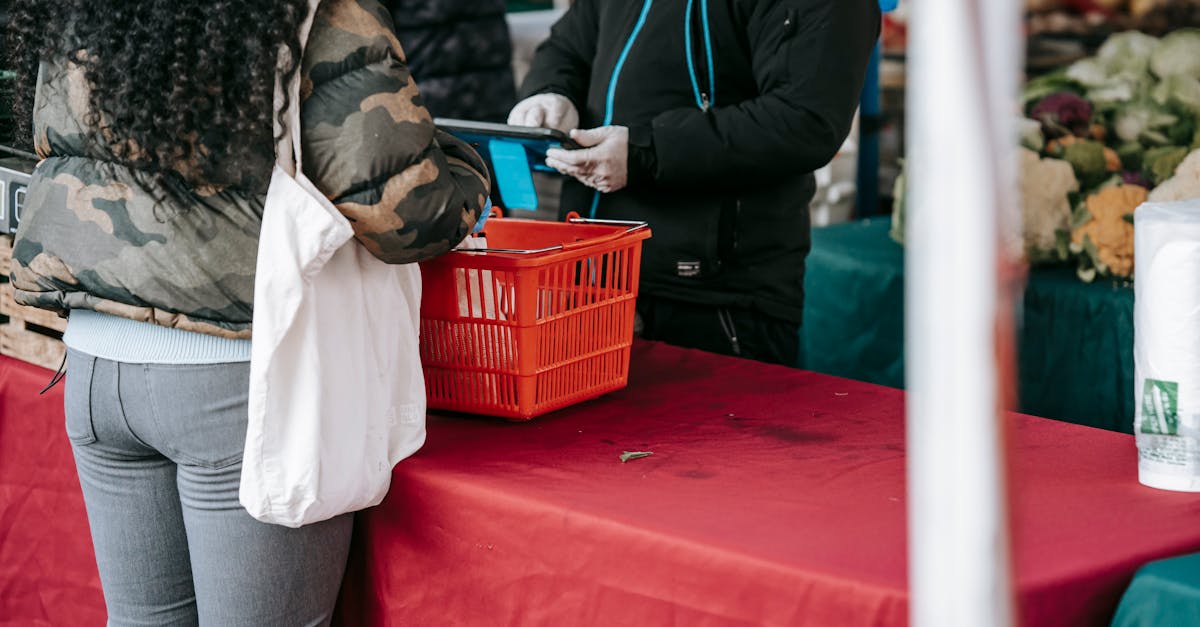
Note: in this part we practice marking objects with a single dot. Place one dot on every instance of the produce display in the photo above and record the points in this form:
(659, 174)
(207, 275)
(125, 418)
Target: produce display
(1088, 17)
(1100, 137)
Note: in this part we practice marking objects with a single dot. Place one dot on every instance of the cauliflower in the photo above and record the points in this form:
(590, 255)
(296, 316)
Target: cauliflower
(1045, 207)
(1031, 134)
(1107, 234)
(1184, 185)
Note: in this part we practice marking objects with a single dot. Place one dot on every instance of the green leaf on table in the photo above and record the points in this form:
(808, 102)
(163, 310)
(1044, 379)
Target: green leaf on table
(628, 455)
(1128, 218)
(1062, 244)
(1093, 253)
(1080, 216)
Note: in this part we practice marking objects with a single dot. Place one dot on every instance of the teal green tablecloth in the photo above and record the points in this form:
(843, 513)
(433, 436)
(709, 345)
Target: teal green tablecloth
(1165, 593)
(1075, 345)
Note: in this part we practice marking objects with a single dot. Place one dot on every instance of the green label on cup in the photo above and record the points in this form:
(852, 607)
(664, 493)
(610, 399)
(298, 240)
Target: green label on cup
(1160, 407)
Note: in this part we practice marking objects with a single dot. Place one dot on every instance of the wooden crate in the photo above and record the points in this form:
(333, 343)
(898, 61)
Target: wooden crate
(28, 334)
(5, 256)
(32, 344)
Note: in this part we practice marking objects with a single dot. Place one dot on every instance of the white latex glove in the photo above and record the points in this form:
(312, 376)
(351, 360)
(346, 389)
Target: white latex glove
(545, 111)
(602, 163)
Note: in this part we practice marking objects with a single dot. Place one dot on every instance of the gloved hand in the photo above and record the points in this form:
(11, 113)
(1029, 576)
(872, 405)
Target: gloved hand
(602, 163)
(547, 111)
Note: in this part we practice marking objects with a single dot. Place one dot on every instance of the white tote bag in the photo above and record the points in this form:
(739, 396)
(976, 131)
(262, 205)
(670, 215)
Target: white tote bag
(337, 396)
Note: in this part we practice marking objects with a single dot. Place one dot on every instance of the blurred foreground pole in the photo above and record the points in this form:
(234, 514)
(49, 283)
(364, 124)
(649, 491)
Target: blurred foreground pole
(964, 62)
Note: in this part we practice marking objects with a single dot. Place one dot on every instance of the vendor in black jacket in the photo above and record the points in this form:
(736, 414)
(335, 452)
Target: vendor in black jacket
(460, 53)
(706, 118)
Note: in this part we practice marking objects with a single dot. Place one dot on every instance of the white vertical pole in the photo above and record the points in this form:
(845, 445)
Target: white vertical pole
(963, 60)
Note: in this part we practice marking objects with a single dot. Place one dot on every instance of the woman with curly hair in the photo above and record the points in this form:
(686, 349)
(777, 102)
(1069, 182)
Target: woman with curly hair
(154, 123)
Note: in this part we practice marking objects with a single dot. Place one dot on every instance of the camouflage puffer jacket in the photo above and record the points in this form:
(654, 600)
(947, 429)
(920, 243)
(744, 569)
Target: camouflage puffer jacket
(99, 235)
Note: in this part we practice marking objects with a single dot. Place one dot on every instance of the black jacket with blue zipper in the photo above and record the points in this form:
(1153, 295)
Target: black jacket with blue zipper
(731, 105)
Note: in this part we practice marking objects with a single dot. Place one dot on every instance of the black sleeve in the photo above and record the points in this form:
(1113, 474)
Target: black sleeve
(809, 60)
(563, 63)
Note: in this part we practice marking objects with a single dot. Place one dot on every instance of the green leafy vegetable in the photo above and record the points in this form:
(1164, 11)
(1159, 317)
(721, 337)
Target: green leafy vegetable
(1177, 53)
(1159, 164)
(1047, 84)
(1143, 121)
(1088, 72)
(1080, 215)
(1178, 90)
(1131, 155)
(1129, 51)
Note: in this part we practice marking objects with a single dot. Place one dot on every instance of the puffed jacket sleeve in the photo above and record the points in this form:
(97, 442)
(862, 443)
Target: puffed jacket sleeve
(410, 191)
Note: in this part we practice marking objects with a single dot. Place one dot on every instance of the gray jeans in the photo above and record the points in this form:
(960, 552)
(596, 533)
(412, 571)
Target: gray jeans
(159, 450)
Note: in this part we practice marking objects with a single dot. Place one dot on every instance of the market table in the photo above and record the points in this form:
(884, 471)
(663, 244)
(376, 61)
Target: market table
(48, 573)
(774, 496)
(1075, 347)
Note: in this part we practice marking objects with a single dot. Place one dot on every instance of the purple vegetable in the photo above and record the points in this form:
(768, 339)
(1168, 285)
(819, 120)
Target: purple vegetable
(1063, 113)
(1134, 177)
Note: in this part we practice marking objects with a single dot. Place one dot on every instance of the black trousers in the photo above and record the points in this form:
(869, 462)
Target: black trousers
(723, 330)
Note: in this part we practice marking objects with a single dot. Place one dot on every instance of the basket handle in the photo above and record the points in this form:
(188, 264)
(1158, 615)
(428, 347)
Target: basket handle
(509, 251)
(573, 218)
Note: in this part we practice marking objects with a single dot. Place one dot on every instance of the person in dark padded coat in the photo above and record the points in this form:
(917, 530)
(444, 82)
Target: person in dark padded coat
(460, 54)
(706, 119)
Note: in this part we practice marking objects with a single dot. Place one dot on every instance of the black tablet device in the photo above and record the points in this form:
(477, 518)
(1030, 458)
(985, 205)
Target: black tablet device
(512, 153)
(537, 140)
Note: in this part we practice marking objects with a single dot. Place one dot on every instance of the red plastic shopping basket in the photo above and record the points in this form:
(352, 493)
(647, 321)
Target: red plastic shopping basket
(539, 320)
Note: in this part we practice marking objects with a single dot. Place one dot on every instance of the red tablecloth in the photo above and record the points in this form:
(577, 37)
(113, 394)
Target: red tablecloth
(773, 497)
(47, 569)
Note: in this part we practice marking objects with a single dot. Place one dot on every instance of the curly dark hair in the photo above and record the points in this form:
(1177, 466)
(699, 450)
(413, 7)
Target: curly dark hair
(182, 89)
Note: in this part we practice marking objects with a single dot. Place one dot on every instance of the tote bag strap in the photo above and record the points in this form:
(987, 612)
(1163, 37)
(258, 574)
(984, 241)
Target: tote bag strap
(287, 148)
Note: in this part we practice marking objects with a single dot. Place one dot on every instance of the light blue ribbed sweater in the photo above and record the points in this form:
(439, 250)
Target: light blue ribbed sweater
(120, 339)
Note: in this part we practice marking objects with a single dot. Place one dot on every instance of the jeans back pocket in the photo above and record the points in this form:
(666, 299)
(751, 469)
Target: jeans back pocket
(77, 398)
(200, 411)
